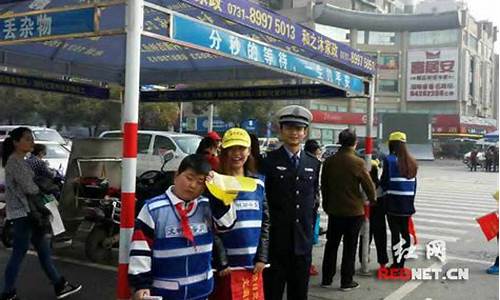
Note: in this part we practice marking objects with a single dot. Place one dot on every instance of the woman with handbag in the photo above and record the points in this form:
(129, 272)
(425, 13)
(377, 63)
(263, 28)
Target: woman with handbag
(20, 189)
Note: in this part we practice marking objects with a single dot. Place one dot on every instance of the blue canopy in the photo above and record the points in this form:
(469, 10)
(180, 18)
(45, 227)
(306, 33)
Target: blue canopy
(102, 58)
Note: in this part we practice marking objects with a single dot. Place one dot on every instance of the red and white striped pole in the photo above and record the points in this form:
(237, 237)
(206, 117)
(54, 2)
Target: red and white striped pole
(134, 21)
(368, 162)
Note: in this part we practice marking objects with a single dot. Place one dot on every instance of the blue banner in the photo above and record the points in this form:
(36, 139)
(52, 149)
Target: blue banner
(53, 85)
(236, 46)
(46, 24)
(280, 27)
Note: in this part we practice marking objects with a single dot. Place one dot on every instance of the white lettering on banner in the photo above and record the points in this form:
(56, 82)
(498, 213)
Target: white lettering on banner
(27, 27)
(347, 81)
(9, 29)
(268, 56)
(319, 72)
(234, 45)
(329, 75)
(44, 25)
(252, 51)
(338, 78)
(283, 60)
(216, 40)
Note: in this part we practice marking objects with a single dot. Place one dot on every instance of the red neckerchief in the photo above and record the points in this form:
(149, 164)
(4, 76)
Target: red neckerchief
(183, 213)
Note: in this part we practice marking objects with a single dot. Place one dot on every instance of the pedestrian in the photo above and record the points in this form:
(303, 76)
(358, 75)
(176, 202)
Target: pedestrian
(312, 147)
(255, 151)
(245, 245)
(292, 178)
(495, 159)
(341, 177)
(493, 270)
(490, 157)
(216, 138)
(399, 184)
(40, 167)
(19, 186)
(171, 247)
(209, 148)
(473, 160)
(378, 230)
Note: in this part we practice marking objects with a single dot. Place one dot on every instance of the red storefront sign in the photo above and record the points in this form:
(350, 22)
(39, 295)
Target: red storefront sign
(327, 117)
(452, 124)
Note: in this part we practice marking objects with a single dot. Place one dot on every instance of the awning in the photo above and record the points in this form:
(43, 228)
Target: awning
(185, 41)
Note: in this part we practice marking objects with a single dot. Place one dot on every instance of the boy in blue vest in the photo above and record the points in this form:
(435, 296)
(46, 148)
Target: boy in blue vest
(171, 246)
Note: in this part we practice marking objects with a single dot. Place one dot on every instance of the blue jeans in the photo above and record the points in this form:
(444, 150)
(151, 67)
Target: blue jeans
(23, 233)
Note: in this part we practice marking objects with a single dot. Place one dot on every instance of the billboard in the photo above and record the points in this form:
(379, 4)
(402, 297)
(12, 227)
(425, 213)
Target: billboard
(432, 74)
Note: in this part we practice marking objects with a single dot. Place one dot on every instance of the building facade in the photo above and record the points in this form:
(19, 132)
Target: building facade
(440, 62)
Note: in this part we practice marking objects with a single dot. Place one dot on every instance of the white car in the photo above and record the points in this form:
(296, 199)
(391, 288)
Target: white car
(153, 144)
(41, 134)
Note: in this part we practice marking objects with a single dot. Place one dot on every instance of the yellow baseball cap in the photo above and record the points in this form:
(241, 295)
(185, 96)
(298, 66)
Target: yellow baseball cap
(398, 136)
(226, 188)
(236, 137)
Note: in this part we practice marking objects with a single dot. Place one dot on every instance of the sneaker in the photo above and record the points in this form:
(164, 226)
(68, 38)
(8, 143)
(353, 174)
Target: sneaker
(66, 289)
(349, 287)
(326, 286)
(493, 270)
(9, 296)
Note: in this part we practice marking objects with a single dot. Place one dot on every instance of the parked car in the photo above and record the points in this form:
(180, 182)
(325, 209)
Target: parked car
(269, 144)
(41, 134)
(329, 150)
(152, 145)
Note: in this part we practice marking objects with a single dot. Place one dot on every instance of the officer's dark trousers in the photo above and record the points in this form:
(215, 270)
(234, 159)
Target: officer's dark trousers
(399, 229)
(338, 227)
(289, 269)
(378, 231)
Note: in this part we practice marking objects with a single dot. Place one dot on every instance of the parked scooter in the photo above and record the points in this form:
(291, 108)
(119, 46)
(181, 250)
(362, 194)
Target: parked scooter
(105, 216)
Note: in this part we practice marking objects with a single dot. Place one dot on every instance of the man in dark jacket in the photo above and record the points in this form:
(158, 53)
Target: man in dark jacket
(344, 203)
(292, 178)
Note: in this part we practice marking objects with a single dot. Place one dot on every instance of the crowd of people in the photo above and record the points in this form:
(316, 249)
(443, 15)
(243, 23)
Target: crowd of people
(268, 227)
(180, 236)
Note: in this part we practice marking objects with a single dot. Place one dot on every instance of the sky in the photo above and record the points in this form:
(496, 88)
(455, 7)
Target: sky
(485, 9)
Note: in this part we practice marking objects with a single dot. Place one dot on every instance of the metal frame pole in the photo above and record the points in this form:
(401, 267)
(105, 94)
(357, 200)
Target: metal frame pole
(181, 108)
(368, 163)
(211, 118)
(134, 26)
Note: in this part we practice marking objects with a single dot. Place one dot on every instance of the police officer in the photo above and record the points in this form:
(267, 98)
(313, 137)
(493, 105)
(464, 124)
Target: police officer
(292, 178)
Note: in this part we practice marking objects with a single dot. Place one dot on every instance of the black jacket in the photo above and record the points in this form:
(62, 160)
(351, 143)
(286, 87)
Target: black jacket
(291, 196)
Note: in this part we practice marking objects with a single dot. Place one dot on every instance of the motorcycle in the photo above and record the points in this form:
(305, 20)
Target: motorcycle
(105, 215)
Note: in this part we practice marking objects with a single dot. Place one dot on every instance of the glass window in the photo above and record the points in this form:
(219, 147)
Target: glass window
(473, 42)
(188, 144)
(388, 86)
(359, 110)
(342, 109)
(315, 106)
(48, 135)
(381, 38)
(437, 37)
(361, 37)
(56, 151)
(323, 107)
(388, 62)
(332, 107)
(143, 141)
(335, 33)
(326, 136)
(162, 144)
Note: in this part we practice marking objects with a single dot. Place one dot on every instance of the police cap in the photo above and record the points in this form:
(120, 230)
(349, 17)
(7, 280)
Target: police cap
(294, 114)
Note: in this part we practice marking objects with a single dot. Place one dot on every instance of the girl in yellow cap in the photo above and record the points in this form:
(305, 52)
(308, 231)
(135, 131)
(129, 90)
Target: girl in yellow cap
(399, 185)
(244, 245)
